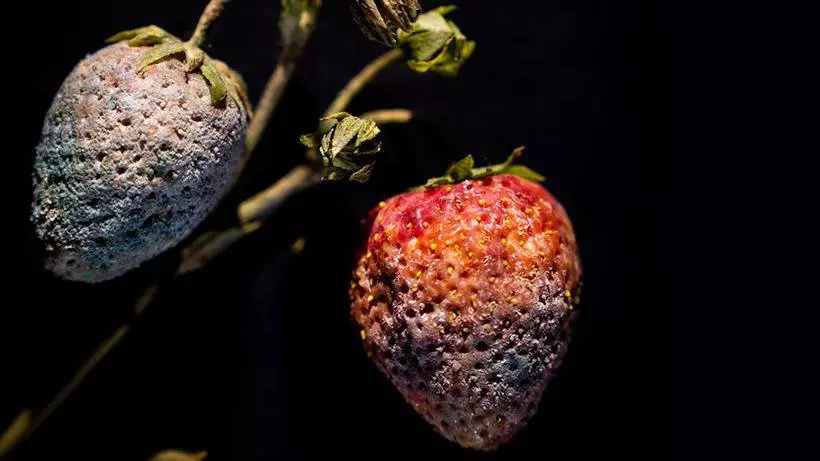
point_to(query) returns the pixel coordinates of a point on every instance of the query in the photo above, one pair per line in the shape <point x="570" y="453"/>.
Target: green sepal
<point x="149" y="35"/>
<point x="464" y="170"/>
<point x="160" y="53"/>
<point x="216" y="84"/>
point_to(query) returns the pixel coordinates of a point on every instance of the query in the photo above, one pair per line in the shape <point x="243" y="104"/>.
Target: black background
<point x="624" y="107"/>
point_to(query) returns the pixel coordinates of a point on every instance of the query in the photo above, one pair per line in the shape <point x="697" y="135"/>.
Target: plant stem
<point x="294" y="45"/>
<point x="389" y="116"/>
<point x="212" y="11"/>
<point x="367" y="75"/>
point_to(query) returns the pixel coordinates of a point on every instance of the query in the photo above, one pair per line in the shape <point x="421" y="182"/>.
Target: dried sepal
<point x="222" y="80"/>
<point x="347" y="147"/>
<point x="297" y="21"/>
<point x="465" y="169"/>
<point x="149" y="35"/>
<point x="436" y="44"/>
<point x="216" y="84"/>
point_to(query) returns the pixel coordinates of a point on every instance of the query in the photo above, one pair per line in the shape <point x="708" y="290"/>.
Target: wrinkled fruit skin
<point x="465" y="296"/>
<point x="128" y="164"/>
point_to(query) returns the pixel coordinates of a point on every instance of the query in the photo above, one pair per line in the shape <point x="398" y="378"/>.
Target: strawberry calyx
<point x="465" y="169"/>
<point x="222" y="80"/>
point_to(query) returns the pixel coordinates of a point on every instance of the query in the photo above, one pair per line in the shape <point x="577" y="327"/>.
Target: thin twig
<point x="389" y="116"/>
<point x="367" y="75"/>
<point x="212" y="11"/>
<point x="278" y="81"/>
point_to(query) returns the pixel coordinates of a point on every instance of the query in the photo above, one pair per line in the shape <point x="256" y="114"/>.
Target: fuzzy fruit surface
<point x="129" y="163"/>
<point x="465" y="295"/>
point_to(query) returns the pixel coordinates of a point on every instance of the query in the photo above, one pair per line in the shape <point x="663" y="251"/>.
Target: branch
<point x="212" y="11"/>
<point x="370" y="72"/>
<point x="389" y="116"/>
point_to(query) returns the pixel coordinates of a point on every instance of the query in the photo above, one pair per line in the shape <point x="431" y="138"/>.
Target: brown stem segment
<point x="294" y="45"/>
<point x="389" y="116"/>
<point x="212" y="11"/>
<point x="370" y="72"/>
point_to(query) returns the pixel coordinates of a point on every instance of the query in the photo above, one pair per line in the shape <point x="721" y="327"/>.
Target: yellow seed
<point x="382" y="204"/>
<point x="452" y="316"/>
<point x="370" y="299"/>
<point x="363" y="334"/>
<point x="470" y="254"/>
<point x="377" y="237"/>
<point x="409" y="225"/>
<point x="379" y="219"/>
<point x="448" y="242"/>
<point x="459" y="217"/>
<point x="463" y="235"/>
<point x="450" y="270"/>
<point x="528" y="211"/>
<point x="492" y="279"/>
<point x="415" y="287"/>
<point x="448" y="189"/>
<point x="512" y="301"/>
<point x="542" y="254"/>
<point x="550" y="232"/>
<point x="453" y="293"/>
<point x="419" y="274"/>
<point x="369" y="255"/>
<point x="433" y="246"/>
<point x="482" y="202"/>
<point x="478" y="218"/>
<point x="522" y="242"/>
<point x="473" y="297"/>
<point x="507" y="222"/>
<point x="425" y="224"/>
<point x="504" y="242"/>
<point x="568" y="294"/>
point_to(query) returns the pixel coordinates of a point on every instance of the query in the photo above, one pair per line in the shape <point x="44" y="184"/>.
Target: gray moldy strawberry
<point x="130" y="161"/>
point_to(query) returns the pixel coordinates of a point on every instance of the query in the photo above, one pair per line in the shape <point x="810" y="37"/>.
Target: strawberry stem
<point x="212" y="11"/>
<point x="295" y="40"/>
<point x="367" y="75"/>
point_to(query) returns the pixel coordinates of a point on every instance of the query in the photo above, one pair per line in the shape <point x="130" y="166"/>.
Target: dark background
<point x="626" y="108"/>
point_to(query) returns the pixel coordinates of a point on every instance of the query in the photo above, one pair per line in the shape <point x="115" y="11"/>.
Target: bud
<point x="347" y="146"/>
<point x="436" y="44"/>
<point x="380" y="20"/>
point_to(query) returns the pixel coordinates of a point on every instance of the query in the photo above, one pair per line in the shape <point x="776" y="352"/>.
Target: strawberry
<point x="135" y="151"/>
<point x="464" y="295"/>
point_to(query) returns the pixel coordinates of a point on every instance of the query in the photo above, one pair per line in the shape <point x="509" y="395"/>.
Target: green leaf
<point x="216" y="83"/>
<point x="159" y="53"/>
<point x="524" y="172"/>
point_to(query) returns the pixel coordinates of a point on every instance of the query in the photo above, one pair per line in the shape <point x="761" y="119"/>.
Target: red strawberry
<point x="464" y="297"/>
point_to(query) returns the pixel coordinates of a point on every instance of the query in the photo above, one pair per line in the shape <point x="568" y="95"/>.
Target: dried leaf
<point x="436" y="44"/>
<point x="347" y="146"/>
